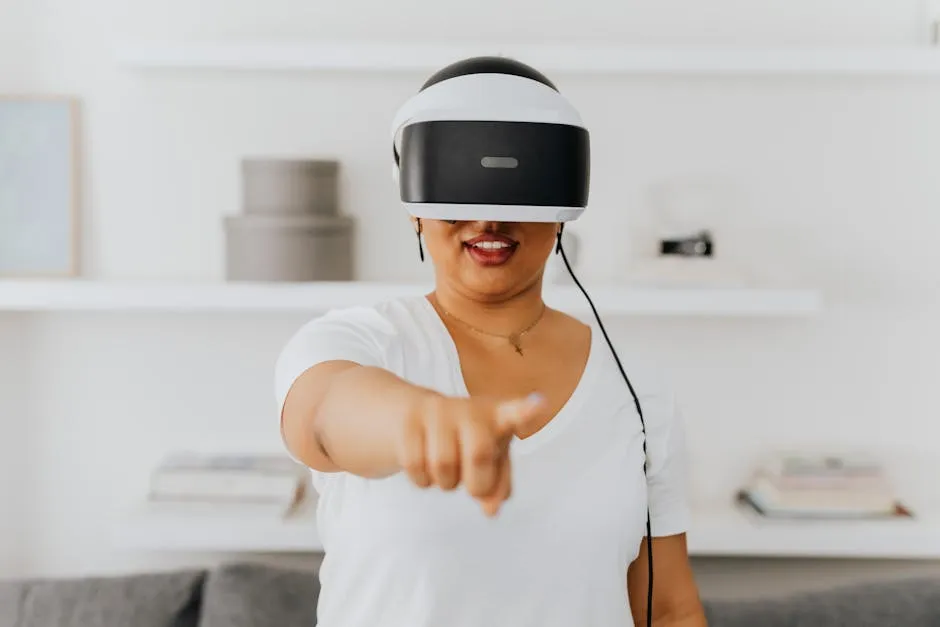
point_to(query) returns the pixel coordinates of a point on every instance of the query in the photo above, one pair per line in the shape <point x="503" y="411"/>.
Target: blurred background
<point x="137" y="322"/>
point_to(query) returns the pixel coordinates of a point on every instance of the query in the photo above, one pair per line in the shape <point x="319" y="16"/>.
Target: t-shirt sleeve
<point x="358" y="334"/>
<point x="361" y="334"/>
<point x="666" y="472"/>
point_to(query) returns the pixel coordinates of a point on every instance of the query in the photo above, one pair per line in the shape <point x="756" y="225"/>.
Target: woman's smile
<point x="491" y="249"/>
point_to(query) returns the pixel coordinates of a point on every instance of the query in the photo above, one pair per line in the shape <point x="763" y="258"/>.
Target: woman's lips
<point x="491" y="249"/>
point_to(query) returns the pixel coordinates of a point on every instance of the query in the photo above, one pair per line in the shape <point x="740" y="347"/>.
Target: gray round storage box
<point x="289" y="248"/>
<point x="290" y="186"/>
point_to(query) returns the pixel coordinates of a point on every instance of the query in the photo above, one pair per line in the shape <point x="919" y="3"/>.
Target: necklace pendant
<point x="514" y="340"/>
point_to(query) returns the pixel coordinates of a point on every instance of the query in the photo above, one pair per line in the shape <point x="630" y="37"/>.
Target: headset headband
<point x="495" y="97"/>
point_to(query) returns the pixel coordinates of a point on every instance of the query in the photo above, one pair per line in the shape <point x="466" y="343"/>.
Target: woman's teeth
<point x="491" y="245"/>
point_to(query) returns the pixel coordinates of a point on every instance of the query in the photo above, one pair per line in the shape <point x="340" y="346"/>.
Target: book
<point x="228" y="478"/>
<point x="820" y="487"/>
<point x="747" y="500"/>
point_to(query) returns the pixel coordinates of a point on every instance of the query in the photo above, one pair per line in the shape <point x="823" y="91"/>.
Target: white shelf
<point x="113" y="296"/>
<point x="723" y="532"/>
<point x="729" y="532"/>
<point x="237" y="531"/>
<point x="570" y="57"/>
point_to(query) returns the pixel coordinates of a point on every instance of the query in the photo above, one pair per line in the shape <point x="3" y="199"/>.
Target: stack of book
<point x="821" y="487"/>
<point x="273" y="485"/>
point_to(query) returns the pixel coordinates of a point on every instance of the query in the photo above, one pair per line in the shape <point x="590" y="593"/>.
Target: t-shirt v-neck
<point x="563" y="419"/>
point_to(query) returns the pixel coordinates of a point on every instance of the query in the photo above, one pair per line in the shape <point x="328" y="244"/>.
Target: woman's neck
<point x="504" y="315"/>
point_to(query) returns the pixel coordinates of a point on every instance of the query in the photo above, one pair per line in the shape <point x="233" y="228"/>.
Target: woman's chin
<point x="493" y="284"/>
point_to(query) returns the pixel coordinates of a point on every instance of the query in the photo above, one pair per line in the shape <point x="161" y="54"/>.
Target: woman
<point x="478" y="457"/>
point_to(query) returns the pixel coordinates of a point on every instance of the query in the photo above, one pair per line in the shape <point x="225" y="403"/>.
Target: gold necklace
<point x="514" y="339"/>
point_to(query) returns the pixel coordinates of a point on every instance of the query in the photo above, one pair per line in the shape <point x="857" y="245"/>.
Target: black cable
<point x="636" y="401"/>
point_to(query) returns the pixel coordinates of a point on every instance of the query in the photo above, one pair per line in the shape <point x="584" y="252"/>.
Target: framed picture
<point x="39" y="186"/>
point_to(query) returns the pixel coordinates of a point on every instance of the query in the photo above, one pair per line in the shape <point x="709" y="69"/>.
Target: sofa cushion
<point x="11" y="596"/>
<point x="140" y="600"/>
<point x="259" y="595"/>
<point x="910" y="602"/>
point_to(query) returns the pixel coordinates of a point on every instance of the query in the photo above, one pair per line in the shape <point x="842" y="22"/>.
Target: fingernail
<point x="535" y="398"/>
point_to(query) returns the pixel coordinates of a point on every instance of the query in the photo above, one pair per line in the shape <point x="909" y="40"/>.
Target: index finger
<point x="511" y="416"/>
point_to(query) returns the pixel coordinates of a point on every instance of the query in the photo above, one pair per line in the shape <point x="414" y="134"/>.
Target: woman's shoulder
<point x="376" y="335"/>
<point x="387" y="314"/>
<point x="369" y="334"/>
<point x="381" y="323"/>
<point x="649" y="378"/>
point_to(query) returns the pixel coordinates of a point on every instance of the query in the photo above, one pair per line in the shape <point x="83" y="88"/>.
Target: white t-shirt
<point x="556" y="555"/>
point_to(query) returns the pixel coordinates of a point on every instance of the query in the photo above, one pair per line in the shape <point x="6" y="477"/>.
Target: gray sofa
<point x="259" y="595"/>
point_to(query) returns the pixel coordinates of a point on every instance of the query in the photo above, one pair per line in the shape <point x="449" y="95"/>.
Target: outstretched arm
<point x="339" y="415"/>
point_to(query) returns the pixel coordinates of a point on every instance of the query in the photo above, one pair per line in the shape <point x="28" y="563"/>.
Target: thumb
<point x="513" y="416"/>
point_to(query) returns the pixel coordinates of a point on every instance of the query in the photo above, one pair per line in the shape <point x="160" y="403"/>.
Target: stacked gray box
<point x="291" y="228"/>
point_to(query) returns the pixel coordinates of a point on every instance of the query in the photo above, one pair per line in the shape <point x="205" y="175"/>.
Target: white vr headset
<point x="490" y="138"/>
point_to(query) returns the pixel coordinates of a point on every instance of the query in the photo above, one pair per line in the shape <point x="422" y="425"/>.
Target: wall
<point x="824" y="182"/>
<point x="15" y="415"/>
